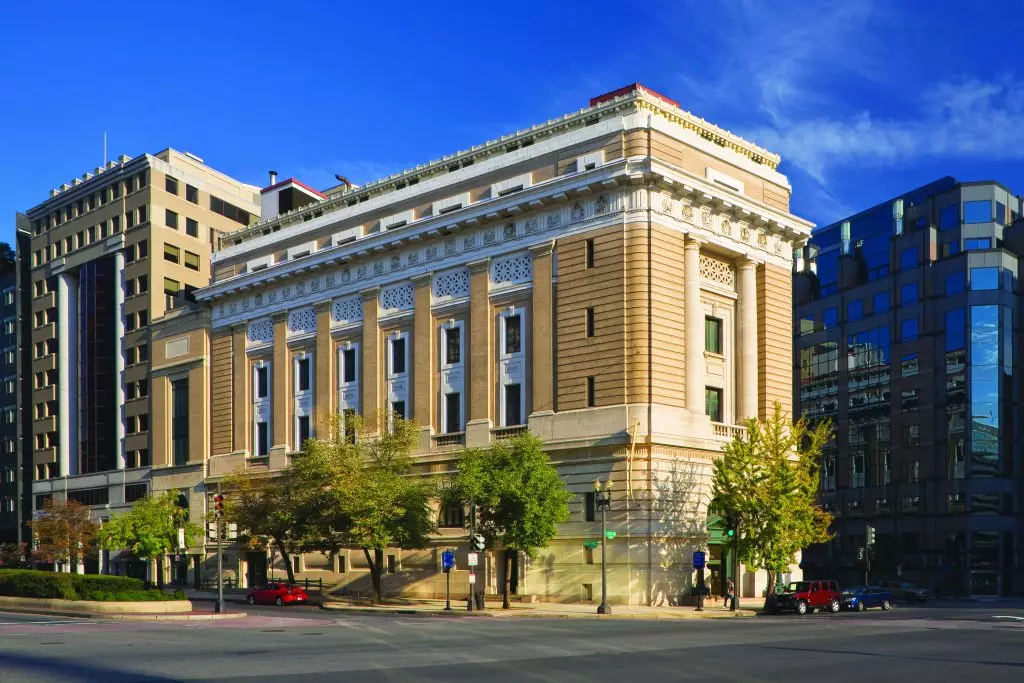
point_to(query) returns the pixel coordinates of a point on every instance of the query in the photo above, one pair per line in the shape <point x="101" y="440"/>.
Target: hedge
<point x="31" y="583"/>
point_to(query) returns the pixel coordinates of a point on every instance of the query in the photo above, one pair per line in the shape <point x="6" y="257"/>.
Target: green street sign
<point x="609" y="534"/>
<point x="590" y="545"/>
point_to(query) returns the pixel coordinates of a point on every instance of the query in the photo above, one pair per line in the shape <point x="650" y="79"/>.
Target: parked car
<point x="861" y="598"/>
<point x="276" y="594"/>
<point x="807" y="596"/>
<point x="903" y="591"/>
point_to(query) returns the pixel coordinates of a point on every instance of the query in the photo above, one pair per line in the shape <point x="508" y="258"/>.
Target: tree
<point x="268" y="511"/>
<point x="12" y="555"/>
<point x="768" y="480"/>
<point x="520" y="497"/>
<point x="150" y="529"/>
<point x="8" y="259"/>
<point x="363" y="494"/>
<point x="64" y="532"/>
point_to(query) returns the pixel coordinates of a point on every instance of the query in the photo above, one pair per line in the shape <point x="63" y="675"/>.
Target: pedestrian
<point x="730" y="589"/>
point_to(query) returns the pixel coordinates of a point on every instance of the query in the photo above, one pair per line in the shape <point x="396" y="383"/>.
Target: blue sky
<point x="862" y="99"/>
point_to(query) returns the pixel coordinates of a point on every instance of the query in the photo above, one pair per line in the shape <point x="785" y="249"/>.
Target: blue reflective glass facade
<point x="96" y="353"/>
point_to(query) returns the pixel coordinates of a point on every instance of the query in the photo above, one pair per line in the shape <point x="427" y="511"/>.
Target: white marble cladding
<point x="495" y="240"/>
<point x="301" y="321"/>
<point x="451" y="284"/>
<point x="261" y="332"/>
<point x="302" y="249"/>
<point x="511" y="270"/>
<point x="396" y="298"/>
<point x="346" y="310"/>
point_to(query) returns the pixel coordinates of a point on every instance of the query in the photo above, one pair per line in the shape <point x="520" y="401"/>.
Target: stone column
<point x="423" y="362"/>
<point x="481" y="355"/>
<point x="370" y="379"/>
<point x="241" y="397"/>
<point x="746" y="348"/>
<point x="67" y="374"/>
<point x="542" y="340"/>
<point x="280" y="391"/>
<point x="693" y="314"/>
<point x="324" y="360"/>
<point x="119" y="425"/>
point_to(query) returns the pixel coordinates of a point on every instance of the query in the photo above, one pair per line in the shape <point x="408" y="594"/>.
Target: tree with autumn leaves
<point x="767" y="480"/>
<point x="64" y="532"/>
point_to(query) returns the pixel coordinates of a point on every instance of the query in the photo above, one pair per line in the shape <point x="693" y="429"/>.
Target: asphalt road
<point x="936" y="643"/>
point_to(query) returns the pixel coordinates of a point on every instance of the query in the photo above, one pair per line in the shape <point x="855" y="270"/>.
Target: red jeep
<point x="807" y="596"/>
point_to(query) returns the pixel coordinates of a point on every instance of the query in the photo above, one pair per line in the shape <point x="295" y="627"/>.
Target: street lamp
<point x="603" y="501"/>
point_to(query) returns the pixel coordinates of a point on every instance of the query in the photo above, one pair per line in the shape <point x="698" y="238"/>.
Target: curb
<point x="531" y="614"/>
<point x="201" y="616"/>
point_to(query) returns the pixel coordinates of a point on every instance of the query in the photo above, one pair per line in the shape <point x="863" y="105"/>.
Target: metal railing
<point x="449" y="440"/>
<point x="500" y="433"/>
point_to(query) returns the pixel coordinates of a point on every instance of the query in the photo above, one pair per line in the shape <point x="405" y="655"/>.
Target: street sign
<point x="590" y="545"/>
<point x="473" y="561"/>
<point x="700" y="560"/>
<point x="609" y="534"/>
<point x="472" y="579"/>
<point x="447" y="559"/>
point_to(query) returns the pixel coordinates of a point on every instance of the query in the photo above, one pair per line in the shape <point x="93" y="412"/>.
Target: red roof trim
<point x="594" y="101"/>
<point x="293" y="181"/>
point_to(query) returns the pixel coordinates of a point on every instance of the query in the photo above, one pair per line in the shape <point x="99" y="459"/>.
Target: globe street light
<point x="603" y="501"/>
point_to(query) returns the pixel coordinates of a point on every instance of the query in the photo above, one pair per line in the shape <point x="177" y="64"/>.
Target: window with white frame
<point x="398" y="375"/>
<point x="303" y="371"/>
<point x="512" y="366"/>
<point x="348" y="386"/>
<point x="452" y="386"/>
<point x="261" y="407"/>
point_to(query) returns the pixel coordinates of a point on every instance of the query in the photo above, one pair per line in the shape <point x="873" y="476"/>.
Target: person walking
<point x="730" y="589"/>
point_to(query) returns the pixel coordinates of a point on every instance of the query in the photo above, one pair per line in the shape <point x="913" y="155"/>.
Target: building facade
<point x="107" y="253"/>
<point x="905" y="329"/>
<point x="10" y="462"/>
<point x="617" y="281"/>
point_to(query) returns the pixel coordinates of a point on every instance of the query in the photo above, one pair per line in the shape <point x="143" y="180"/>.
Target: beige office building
<point x="111" y="251"/>
<point x="615" y="280"/>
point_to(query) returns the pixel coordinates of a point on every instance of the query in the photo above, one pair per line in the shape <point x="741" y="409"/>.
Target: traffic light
<point x="730" y="526"/>
<point x="218" y="504"/>
<point x="870" y="536"/>
<point x="477" y="542"/>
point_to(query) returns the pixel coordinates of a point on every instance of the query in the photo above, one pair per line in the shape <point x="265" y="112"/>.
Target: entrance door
<point x="985" y="583"/>
<point x="257" y="572"/>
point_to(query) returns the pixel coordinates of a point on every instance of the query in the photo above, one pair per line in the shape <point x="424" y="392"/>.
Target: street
<point x="954" y="642"/>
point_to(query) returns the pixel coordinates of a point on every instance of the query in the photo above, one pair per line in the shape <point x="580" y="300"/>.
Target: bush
<point x="31" y="583"/>
<point x="130" y="596"/>
<point x="92" y="583"/>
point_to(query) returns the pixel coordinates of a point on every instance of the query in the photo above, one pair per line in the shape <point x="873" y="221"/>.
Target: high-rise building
<point x="10" y="462"/>
<point x="905" y="323"/>
<point x="109" y="252"/>
<point x="616" y="281"/>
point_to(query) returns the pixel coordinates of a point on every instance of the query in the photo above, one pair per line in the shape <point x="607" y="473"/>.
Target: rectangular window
<point x="143" y="318"/>
<point x="984" y="278"/>
<point x="880" y="302"/>
<point x="949" y="217"/>
<point x="218" y="205"/>
<point x="398" y="409"/>
<point x="513" y="334"/>
<point x="713" y="403"/>
<point x="192" y="194"/>
<point x="513" y="405"/>
<point x="262" y="438"/>
<point x="910" y="400"/>
<point x="453" y="516"/>
<point x="348" y="362"/>
<point x="954" y="282"/>
<point x="589" y="506"/>
<point x="191" y="227"/>
<point x="713" y="334"/>
<point x="398" y="356"/>
<point x="171" y="185"/>
<point x="302" y="431"/>
<point x="453" y="346"/>
<point x="908" y="294"/>
<point x="911" y="436"/>
<point x="978" y="211"/>
<point x="170" y="219"/>
<point x="908" y="329"/>
<point x="191" y="261"/>
<point x="172" y="253"/>
<point x="591" y="398"/>
<point x="179" y="421"/>
<point x="589" y="253"/>
<point x="452" y="413"/>
<point x="589" y="322"/>
<point x="143" y="248"/>
<point x="142" y="284"/>
<point x="854" y="309"/>
<point x="142" y="214"/>
<point x="262" y="382"/>
<point x="908" y="258"/>
<point x="978" y="243"/>
<point x="830" y="318"/>
<point x="303" y="372"/>
<point x="909" y="365"/>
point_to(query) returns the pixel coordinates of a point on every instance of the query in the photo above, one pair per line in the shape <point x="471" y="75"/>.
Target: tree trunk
<point x="287" y="559"/>
<point x="376" y="564"/>
<point x="508" y="578"/>
<point x="771" y="588"/>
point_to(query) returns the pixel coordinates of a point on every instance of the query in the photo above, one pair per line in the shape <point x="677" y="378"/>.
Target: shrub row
<point x="31" y="583"/>
<point x="133" y="596"/>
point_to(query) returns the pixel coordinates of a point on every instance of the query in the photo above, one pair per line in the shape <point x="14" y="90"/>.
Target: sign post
<point x="699" y="562"/>
<point x="447" y="564"/>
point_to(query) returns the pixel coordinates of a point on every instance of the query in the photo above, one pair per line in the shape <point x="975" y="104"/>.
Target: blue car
<point x="862" y="597"/>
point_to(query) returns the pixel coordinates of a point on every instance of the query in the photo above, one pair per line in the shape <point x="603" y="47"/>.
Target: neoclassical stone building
<point x="616" y="280"/>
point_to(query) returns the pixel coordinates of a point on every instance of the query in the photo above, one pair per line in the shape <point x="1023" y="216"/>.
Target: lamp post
<point x="603" y="501"/>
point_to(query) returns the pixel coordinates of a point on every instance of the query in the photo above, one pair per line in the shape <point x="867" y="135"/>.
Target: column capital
<point x="480" y="265"/>
<point x="422" y="280"/>
<point x="280" y="316"/>
<point x="543" y="249"/>
<point x="369" y="293"/>
<point x="748" y="262"/>
<point x="322" y="306"/>
<point x="694" y="242"/>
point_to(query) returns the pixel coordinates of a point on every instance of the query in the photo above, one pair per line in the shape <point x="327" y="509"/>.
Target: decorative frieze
<point x="512" y="270"/>
<point x="396" y="298"/>
<point x="301" y="321"/>
<point x="347" y="310"/>
<point x="261" y="332"/>
<point x="717" y="272"/>
<point x="451" y="284"/>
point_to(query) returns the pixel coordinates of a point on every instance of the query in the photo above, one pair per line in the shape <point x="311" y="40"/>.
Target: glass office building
<point x="905" y="321"/>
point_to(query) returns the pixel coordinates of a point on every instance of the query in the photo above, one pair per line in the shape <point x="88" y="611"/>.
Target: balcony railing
<point x="728" y="431"/>
<point x="258" y="462"/>
<point x="500" y="433"/>
<point x="449" y="440"/>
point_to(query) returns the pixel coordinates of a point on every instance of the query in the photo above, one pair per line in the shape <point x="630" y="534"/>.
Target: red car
<point x="278" y="594"/>
<point x="807" y="596"/>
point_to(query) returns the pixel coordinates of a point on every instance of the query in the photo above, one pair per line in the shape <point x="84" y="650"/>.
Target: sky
<point x="863" y="100"/>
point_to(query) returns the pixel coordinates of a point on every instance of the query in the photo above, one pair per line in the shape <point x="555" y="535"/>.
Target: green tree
<point x="362" y="493"/>
<point x="64" y="532"/>
<point x="149" y="531"/>
<point x="13" y="555"/>
<point x="768" y="480"/>
<point x="520" y="497"/>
